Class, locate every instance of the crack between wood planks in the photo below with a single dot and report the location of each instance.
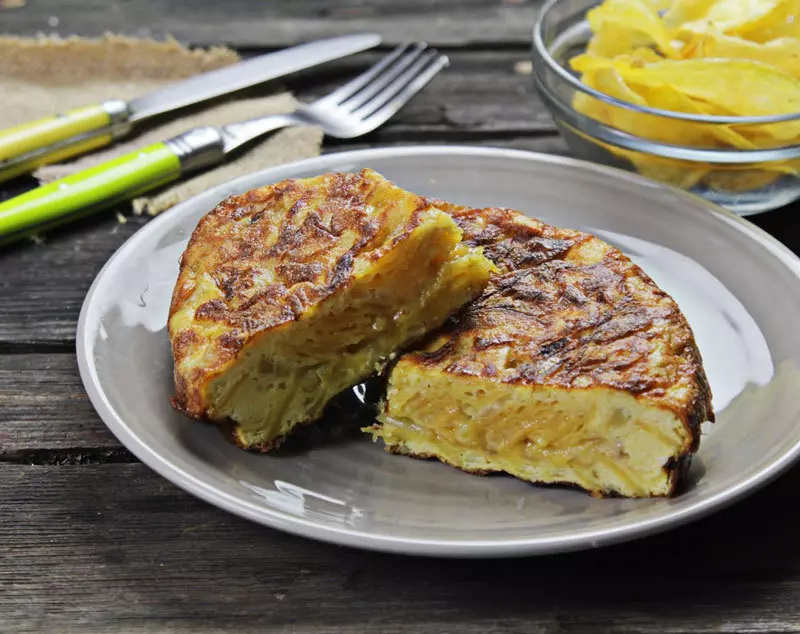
(416, 136)
(521, 46)
(82, 456)
(37, 347)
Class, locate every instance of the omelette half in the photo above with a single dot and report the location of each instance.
(572, 367)
(291, 293)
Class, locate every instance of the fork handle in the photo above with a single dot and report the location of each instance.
(87, 191)
(106, 184)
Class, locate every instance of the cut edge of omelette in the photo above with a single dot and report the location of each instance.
(405, 273)
(488, 394)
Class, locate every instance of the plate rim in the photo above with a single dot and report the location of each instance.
(434, 547)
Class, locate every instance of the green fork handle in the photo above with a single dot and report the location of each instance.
(88, 191)
(25, 147)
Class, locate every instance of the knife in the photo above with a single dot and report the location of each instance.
(28, 146)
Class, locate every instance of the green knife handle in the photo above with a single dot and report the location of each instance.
(25, 147)
(87, 191)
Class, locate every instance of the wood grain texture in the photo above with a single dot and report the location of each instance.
(44, 409)
(480, 92)
(113, 547)
(243, 23)
(102, 548)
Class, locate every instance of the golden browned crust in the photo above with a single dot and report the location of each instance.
(271, 254)
(568, 310)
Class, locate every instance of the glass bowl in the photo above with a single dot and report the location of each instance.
(744, 181)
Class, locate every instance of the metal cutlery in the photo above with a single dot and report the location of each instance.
(25, 147)
(356, 108)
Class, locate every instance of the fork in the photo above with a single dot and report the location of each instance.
(358, 107)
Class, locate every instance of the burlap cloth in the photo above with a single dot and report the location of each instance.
(40, 77)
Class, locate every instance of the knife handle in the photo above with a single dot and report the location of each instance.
(25, 147)
(88, 191)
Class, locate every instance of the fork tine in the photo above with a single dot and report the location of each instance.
(401, 91)
(386, 78)
(356, 84)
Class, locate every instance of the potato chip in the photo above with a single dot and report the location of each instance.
(728, 16)
(782, 53)
(782, 21)
(683, 11)
(608, 80)
(742, 87)
(588, 105)
(660, 5)
(682, 174)
(632, 15)
(762, 136)
(613, 40)
(740, 180)
(664, 97)
(585, 63)
(646, 55)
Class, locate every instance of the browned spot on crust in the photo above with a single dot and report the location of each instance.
(183, 343)
(293, 273)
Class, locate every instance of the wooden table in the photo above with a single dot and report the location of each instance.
(93, 541)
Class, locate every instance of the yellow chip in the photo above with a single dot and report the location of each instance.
(589, 105)
(729, 16)
(664, 97)
(681, 174)
(782, 53)
(684, 12)
(613, 40)
(782, 21)
(585, 63)
(647, 126)
(660, 5)
(608, 80)
(740, 180)
(741, 87)
(645, 55)
(632, 15)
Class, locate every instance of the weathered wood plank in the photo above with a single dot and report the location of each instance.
(43, 285)
(112, 548)
(242, 23)
(479, 92)
(45, 408)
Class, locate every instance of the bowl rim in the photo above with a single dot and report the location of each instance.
(598, 130)
(542, 53)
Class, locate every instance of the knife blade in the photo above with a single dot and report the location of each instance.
(247, 73)
(31, 145)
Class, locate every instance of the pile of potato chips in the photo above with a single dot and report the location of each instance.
(709, 57)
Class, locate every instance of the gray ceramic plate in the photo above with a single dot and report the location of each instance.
(738, 287)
